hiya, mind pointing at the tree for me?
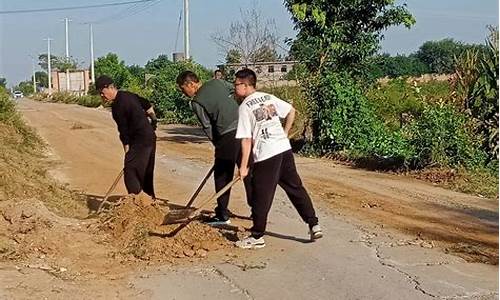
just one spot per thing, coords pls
(342, 33)
(42, 79)
(57, 62)
(3, 82)
(158, 64)
(233, 56)
(335, 40)
(440, 55)
(26, 87)
(251, 39)
(111, 66)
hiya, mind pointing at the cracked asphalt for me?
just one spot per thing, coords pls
(354, 260)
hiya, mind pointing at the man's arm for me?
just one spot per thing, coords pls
(151, 113)
(246, 148)
(121, 119)
(289, 119)
(203, 118)
(148, 108)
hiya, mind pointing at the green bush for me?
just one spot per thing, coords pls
(443, 137)
(392, 99)
(90, 101)
(9, 116)
(169, 102)
(346, 122)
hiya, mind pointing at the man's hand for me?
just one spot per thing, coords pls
(243, 172)
(154, 123)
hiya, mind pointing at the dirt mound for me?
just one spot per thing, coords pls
(130, 225)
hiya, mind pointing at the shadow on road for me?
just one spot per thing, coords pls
(184, 135)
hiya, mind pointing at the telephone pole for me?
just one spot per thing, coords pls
(49, 69)
(92, 71)
(33, 69)
(186, 29)
(66, 22)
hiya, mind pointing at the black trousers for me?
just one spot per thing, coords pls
(267, 174)
(227, 156)
(139, 168)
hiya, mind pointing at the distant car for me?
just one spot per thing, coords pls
(18, 94)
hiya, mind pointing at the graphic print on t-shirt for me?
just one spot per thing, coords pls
(265, 112)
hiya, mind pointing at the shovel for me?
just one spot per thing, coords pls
(176, 217)
(191, 200)
(111, 188)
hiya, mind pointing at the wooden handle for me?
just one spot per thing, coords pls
(193, 197)
(214, 196)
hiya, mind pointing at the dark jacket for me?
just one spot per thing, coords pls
(128, 111)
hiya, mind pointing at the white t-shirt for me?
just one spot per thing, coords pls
(259, 119)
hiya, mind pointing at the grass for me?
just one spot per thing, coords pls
(23, 172)
(69, 98)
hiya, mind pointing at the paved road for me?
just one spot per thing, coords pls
(350, 262)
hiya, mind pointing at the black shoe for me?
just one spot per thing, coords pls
(214, 221)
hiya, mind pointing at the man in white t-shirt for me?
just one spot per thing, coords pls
(263, 136)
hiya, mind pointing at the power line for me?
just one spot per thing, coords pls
(127, 12)
(71, 8)
(178, 30)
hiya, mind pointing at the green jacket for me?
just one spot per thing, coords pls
(216, 108)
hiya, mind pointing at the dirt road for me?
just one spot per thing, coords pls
(387, 236)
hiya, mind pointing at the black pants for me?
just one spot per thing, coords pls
(227, 156)
(279, 169)
(139, 169)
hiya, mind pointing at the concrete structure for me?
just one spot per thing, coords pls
(79, 81)
(266, 71)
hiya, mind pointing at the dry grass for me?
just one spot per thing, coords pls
(23, 171)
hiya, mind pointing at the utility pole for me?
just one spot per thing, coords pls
(66, 22)
(92, 71)
(33, 69)
(186, 29)
(49, 69)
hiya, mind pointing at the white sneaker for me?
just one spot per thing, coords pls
(251, 243)
(315, 232)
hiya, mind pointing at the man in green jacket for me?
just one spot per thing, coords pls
(214, 105)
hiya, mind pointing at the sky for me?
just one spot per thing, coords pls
(138, 33)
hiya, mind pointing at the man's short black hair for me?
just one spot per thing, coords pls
(248, 75)
(217, 71)
(103, 82)
(185, 77)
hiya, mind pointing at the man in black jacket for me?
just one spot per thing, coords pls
(214, 105)
(137, 134)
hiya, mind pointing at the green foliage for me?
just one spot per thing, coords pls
(442, 136)
(42, 79)
(69, 98)
(483, 105)
(25, 86)
(233, 56)
(9, 116)
(57, 62)
(342, 33)
(7, 106)
(298, 72)
(168, 100)
(347, 122)
(3, 82)
(396, 66)
(440, 55)
(398, 97)
(476, 87)
(111, 66)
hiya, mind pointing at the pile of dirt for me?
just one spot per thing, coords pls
(132, 221)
